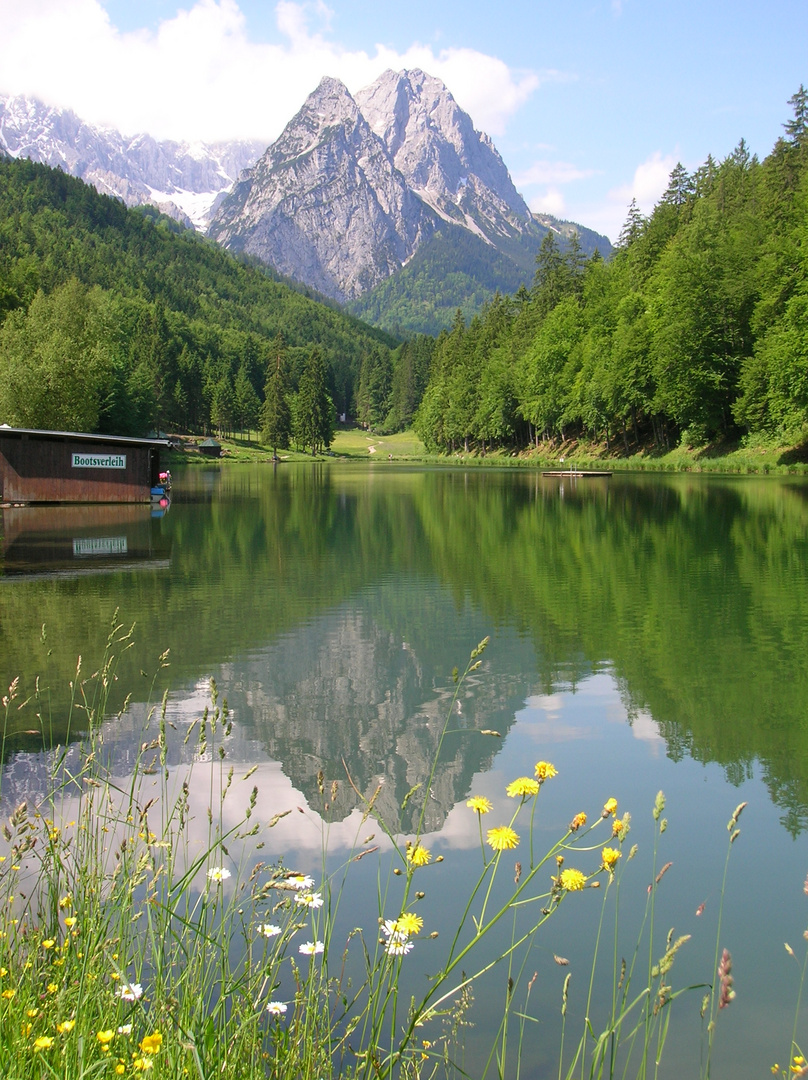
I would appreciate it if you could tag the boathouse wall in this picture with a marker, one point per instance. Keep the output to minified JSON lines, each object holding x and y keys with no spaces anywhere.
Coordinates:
{"x":62,"y":466}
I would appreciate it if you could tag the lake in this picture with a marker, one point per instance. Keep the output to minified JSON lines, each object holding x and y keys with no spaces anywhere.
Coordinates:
{"x":647,"y":633}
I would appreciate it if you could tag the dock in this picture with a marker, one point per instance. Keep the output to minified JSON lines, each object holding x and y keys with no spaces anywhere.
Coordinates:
{"x":575,"y":473}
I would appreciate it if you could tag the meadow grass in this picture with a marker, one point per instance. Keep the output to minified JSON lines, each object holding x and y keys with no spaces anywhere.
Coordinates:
{"x":128,"y":946}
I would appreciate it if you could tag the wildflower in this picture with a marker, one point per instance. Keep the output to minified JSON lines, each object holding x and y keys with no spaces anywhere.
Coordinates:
{"x":398,"y":948}
{"x":577,"y":822}
{"x":218,"y":873}
{"x":620,"y":826}
{"x":409,"y":923}
{"x":70,"y":921}
{"x":105,"y":1037}
{"x":120,"y":1068}
{"x":391,"y":930}
{"x":479,"y":803}
{"x":418,"y":855}
{"x":52,"y":987}
{"x":545,"y":771}
{"x":309,"y":899}
{"x":311,"y":948}
{"x":268,"y":930}
{"x":609,"y":857}
{"x":125,"y":1029}
{"x":609,"y":807}
{"x":44,"y":1042}
{"x":502,"y":838}
{"x":66,"y":901}
{"x":523,"y":787}
{"x":3,"y":971}
{"x":572,"y":880}
{"x":48,"y":943}
{"x":129,"y":991}
{"x":141,"y":1064}
{"x":300,"y":881}
{"x":31,"y":1013}
{"x":8,"y":994}
{"x":150,"y":1044}
{"x":65,"y":1026}
{"x":276,"y":1008}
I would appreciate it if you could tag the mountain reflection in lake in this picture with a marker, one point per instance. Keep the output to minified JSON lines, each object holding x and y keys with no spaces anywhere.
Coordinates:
{"x":646,"y":633}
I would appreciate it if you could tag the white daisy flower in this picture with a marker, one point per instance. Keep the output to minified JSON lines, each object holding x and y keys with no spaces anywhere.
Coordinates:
{"x":276,"y":1008}
{"x":218,"y":873}
{"x":268,"y":930}
{"x":309,"y":899}
{"x":300,"y":881}
{"x":129,"y":991}
{"x":398,"y":948}
{"x":311,"y":948}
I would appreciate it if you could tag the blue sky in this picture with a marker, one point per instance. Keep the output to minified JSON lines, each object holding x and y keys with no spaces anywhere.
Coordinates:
{"x":590,"y":102}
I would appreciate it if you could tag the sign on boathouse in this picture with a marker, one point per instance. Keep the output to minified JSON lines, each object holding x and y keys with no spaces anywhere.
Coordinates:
{"x":70,"y":466}
{"x":99,"y":461}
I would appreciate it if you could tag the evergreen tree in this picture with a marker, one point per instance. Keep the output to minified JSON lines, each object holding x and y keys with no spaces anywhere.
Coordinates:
{"x":314,"y":419}
{"x":276,"y":415}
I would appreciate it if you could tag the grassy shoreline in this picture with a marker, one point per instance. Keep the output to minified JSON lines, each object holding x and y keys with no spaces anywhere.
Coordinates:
{"x":355,"y":444}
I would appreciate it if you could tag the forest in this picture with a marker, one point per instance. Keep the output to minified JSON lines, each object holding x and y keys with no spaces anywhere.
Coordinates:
{"x":119,"y":321}
{"x":695,"y":330}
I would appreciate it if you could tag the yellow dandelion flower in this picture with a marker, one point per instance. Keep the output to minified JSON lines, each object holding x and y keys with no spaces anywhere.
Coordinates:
{"x":71,"y":921}
{"x":572,"y":880}
{"x":545,"y":771}
{"x":609,"y":807}
{"x":418,"y":856}
{"x":66,"y":901}
{"x":522,"y":787}
{"x":105,"y":1037}
{"x":502,"y":838}
{"x":44,"y":1042}
{"x":577,"y":822}
{"x":409,"y":923}
{"x":610,"y":856}
{"x":150,"y":1044}
{"x":479,"y":803}
{"x":65,"y":1026}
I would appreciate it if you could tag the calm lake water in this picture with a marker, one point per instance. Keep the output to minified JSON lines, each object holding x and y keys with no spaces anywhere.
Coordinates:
{"x":646,"y":633}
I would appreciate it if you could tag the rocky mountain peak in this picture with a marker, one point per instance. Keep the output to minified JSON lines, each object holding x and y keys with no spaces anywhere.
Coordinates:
{"x":446,"y":161}
{"x":181,"y":179}
{"x":326,"y":204}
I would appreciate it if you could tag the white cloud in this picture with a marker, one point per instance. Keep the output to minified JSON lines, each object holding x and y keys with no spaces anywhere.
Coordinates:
{"x":550,"y":202}
{"x":646,"y":186}
{"x":199,"y":76}
{"x":552,"y":172}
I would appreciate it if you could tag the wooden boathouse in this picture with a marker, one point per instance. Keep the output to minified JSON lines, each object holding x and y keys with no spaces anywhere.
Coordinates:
{"x":72,"y":467}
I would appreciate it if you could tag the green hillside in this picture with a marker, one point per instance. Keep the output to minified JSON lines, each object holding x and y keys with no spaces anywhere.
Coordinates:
{"x":456,"y":270}
{"x":118,"y":320}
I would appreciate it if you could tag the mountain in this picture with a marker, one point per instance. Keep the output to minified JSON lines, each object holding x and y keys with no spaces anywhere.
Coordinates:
{"x":391,"y":202}
{"x":325,"y":203}
{"x":183,"y":180}
{"x":453,"y":168}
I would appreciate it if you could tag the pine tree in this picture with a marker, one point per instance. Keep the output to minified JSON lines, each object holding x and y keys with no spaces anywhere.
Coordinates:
{"x":315,"y":409}
{"x":276,"y":416}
